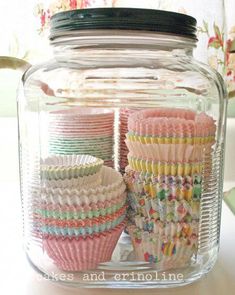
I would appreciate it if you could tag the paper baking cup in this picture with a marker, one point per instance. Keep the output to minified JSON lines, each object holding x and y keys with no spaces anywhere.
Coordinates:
{"x":167,"y":229}
{"x":61,"y":167}
{"x":67,"y":212}
{"x":112,"y":186}
{"x":81,"y":231}
{"x":83,"y":113}
{"x":207,"y":140}
{"x":165,"y":187}
{"x":171,"y":122}
{"x":168,"y":152}
{"x":164,"y":252}
{"x":90,"y":181}
{"x":161,"y":168}
{"x":123,"y":122}
{"x":79,"y":254}
{"x":164,"y":210}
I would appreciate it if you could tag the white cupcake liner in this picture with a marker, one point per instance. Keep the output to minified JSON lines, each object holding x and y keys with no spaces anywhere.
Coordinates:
{"x":168,"y":152}
{"x":90,"y":181}
{"x":69,"y":166}
{"x":112,"y":186}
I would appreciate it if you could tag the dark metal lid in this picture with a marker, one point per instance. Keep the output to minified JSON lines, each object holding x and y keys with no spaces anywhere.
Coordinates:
{"x":123,"y":19}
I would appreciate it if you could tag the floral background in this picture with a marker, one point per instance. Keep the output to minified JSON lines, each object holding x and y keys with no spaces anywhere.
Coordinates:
{"x":27,"y":36}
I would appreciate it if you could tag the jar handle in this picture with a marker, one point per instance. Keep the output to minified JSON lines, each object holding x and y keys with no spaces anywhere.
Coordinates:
{"x":9,"y":62}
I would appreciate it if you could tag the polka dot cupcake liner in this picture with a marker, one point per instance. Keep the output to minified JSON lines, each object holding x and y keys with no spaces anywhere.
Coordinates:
{"x":165,"y":253}
{"x":165,"y":210}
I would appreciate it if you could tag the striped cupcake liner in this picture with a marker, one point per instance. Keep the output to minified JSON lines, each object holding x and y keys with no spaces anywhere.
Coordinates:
{"x":82,"y":231}
{"x":164,"y":168}
{"x":68,"y":167}
{"x":68,"y":212}
{"x":133,"y":137}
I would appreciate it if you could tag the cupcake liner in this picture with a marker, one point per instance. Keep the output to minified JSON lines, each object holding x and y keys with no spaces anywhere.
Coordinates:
{"x":64,"y":197}
{"x":168,"y":152}
{"x":165,"y":168}
{"x":123,"y":119}
{"x":61,"y":167}
{"x":67,"y":212}
{"x":165,"y":252}
{"x":98,"y":152}
{"x":80,"y":231}
{"x":77,"y":223}
{"x":82,"y":133}
{"x":171,"y":122}
{"x":83,"y":113}
{"x":165,"y":187}
{"x":112,"y":186}
{"x":90,"y":181}
{"x":207,"y":140}
{"x":79,"y":140}
{"x":79,"y":254}
{"x":164,"y":210}
{"x":167,"y":229}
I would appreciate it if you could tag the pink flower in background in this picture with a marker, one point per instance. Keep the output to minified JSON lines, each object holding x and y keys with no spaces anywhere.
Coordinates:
{"x":85,"y":3}
{"x":73,"y":4}
{"x":216,"y":41}
{"x":45,"y":13}
{"x":43,"y":18}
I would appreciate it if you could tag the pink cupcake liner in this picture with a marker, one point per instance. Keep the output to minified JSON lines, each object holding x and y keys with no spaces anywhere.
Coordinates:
{"x":171,"y":122}
{"x":79,"y":254}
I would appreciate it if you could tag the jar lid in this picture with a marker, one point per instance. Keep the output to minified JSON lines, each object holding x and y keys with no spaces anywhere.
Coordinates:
{"x":123,"y":19}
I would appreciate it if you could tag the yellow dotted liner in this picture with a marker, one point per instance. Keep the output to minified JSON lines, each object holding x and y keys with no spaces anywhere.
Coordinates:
{"x":170,"y":140}
{"x":181,"y":169}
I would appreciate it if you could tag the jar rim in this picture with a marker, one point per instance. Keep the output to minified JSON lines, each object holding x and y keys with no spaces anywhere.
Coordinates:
{"x":123,"y":19}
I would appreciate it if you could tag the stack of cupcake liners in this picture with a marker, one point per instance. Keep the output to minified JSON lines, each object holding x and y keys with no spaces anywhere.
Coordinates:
{"x":83,"y":131}
{"x":81,"y":212}
{"x":124,"y":114}
{"x":167,"y":152}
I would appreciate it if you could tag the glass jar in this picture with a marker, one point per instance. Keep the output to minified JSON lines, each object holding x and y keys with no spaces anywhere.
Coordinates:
{"x":121,"y":152}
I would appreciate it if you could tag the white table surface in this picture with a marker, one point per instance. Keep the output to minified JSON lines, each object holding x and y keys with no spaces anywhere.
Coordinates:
{"x":17,"y":277}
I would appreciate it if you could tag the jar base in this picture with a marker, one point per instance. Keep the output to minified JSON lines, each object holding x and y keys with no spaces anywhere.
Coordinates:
{"x":126,"y":275}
